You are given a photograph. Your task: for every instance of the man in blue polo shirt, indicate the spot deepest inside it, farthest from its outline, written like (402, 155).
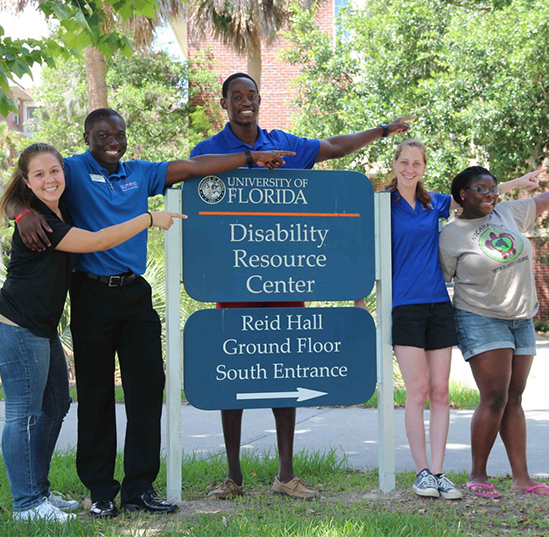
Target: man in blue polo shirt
(241, 100)
(111, 309)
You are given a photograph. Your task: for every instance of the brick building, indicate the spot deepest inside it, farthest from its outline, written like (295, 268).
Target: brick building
(276, 75)
(26, 107)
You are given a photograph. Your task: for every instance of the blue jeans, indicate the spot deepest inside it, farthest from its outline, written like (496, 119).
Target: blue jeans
(35, 381)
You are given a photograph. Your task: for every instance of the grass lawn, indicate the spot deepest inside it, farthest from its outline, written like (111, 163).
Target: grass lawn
(350, 505)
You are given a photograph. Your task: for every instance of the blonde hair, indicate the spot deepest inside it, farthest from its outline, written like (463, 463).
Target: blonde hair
(16, 189)
(421, 194)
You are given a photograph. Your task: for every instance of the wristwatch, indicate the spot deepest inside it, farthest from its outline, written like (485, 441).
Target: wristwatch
(249, 159)
(385, 128)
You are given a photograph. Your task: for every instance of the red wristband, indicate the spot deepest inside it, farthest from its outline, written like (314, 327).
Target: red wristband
(21, 214)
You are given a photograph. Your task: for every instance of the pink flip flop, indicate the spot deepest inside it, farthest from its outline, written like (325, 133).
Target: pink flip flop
(535, 487)
(494, 495)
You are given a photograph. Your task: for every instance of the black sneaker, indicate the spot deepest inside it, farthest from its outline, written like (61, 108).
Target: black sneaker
(426, 484)
(447, 489)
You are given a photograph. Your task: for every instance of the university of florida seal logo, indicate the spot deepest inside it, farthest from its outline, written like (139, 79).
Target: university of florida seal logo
(211, 189)
(501, 245)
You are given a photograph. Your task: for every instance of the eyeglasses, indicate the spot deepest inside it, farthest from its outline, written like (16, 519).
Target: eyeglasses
(483, 190)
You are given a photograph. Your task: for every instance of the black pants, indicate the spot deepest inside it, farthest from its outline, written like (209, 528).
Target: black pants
(105, 321)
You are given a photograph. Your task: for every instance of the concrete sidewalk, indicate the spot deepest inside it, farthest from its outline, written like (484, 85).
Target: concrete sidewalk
(352, 432)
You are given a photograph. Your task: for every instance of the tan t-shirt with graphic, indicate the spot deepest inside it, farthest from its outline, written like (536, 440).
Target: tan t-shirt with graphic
(490, 261)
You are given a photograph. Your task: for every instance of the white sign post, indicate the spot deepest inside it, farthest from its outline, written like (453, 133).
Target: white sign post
(385, 402)
(174, 351)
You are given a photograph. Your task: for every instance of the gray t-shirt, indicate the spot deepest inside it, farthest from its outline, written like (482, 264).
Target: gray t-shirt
(490, 261)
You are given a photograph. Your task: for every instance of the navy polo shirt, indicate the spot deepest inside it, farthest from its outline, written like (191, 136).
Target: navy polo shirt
(417, 276)
(96, 200)
(225, 142)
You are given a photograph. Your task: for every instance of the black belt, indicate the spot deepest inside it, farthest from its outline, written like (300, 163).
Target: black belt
(112, 281)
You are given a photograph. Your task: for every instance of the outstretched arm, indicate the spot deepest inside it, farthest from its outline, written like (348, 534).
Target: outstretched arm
(180, 170)
(346, 144)
(80, 241)
(528, 181)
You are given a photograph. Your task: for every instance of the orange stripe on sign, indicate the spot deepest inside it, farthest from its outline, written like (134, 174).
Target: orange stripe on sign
(220, 213)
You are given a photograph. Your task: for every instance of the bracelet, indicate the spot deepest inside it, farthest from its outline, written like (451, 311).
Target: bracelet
(150, 214)
(249, 158)
(21, 214)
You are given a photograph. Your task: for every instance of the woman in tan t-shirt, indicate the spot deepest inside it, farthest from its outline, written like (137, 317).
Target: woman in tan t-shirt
(487, 254)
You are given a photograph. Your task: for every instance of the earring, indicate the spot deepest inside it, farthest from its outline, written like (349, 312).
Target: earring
(462, 198)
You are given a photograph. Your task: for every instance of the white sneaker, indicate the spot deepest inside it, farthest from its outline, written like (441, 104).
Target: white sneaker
(65, 505)
(44, 511)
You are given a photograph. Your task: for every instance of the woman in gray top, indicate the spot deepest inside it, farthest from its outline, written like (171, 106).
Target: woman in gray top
(489, 258)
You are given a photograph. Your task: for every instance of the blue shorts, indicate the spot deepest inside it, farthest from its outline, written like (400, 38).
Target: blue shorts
(477, 334)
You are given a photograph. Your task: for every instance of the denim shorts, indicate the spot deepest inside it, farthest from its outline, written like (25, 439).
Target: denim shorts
(478, 334)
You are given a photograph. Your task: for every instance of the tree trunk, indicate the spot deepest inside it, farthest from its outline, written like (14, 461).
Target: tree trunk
(96, 75)
(254, 61)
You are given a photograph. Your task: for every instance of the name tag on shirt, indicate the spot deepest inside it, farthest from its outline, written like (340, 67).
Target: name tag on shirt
(97, 178)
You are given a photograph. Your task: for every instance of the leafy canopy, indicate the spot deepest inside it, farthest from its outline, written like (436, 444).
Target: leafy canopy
(475, 73)
(82, 23)
(154, 93)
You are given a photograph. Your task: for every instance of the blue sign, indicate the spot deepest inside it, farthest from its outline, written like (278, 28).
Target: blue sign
(285, 235)
(279, 357)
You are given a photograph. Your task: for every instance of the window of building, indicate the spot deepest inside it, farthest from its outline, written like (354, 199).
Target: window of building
(338, 4)
(16, 118)
(30, 122)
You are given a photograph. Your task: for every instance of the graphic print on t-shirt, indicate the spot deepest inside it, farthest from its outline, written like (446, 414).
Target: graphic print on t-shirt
(501, 244)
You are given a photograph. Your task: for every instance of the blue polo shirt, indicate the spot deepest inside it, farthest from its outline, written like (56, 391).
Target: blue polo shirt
(96, 199)
(225, 142)
(417, 276)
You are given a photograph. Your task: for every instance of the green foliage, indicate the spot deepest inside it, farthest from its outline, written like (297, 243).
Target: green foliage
(82, 23)
(475, 73)
(541, 326)
(154, 93)
(18, 56)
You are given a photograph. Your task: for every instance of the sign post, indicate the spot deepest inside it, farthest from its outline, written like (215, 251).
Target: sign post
(384, 297)
(174, 356)
(304, 235)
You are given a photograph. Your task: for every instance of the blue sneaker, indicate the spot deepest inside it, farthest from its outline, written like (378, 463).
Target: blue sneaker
(426, 484)
(447, 489)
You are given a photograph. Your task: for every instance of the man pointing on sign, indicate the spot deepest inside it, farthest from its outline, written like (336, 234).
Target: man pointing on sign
(241, 100)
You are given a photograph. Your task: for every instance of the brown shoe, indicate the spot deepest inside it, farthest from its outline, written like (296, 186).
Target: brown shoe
(295, 488)
(227, 490)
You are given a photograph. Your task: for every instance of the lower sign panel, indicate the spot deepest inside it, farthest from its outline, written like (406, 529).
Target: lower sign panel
(279, 357)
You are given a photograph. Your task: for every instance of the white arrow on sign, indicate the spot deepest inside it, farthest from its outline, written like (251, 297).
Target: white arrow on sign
(302, 394)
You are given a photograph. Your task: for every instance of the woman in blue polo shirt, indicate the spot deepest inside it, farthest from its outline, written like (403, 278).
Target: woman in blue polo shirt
(423, 322)
(32, 363)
